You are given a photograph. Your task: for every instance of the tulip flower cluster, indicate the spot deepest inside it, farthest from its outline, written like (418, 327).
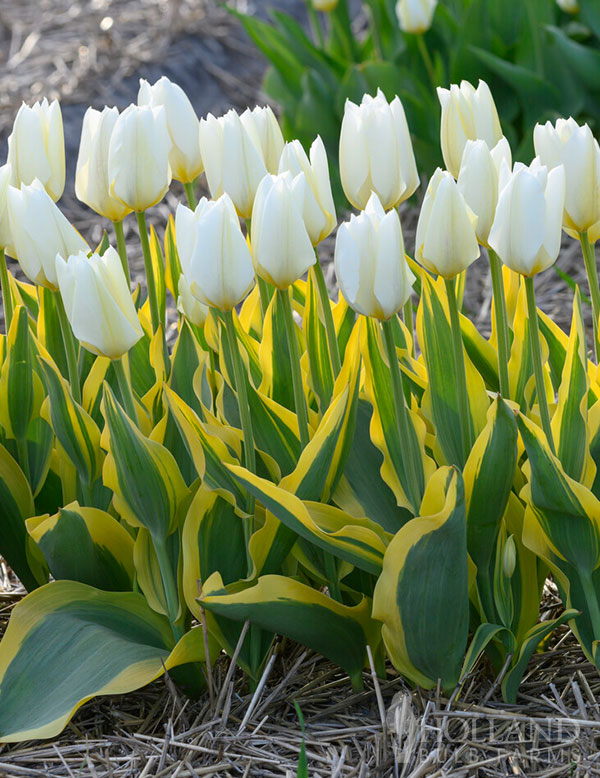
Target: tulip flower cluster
(364, 482)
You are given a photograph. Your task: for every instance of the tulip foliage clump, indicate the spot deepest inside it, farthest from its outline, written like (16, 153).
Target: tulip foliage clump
(371, 477)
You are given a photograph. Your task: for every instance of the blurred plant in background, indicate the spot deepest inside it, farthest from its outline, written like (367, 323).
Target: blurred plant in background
(541, 59)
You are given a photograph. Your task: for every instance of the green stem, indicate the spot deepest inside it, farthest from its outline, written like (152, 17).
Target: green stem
(589, 258)
(169, 585)
(150, 280)
(315, 27)
(407, 315)
(70, 350)
(122, 249)
(23, 454)
(536, 356)
(426, 61)
(461, 375)
(334, 351)
(299, 397)
(501, 322)
(415, 485)
(591, 599)
(534, 24)
(6, 293)
(241, 387)
(189, 193)
(87, 493)
(125, 388)
(332, 576)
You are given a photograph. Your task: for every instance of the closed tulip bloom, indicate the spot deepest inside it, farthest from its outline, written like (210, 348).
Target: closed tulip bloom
(261, 124)
(446, 242)
(467, 114)
(213, 252)
(376, 152)
(98, 303)
(316, 173)
(36, 147)
(5, 175)
(370, 266)
(527, 227)
(183, 125)
(91, 177)
(577, 150)
(415, 16)
(188, 306)
(138, 157)
(233, 160)
(478, 181)
(570, 6)
(324, 5)
(39, 231)
(281, 247)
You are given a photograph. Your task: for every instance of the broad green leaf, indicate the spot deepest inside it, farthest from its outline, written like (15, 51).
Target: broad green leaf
(320, 372)
(68, 642)
(584, 60)
(274, 357)
(422, 594)
(148, 570)
(148, 487)
(359, 541)
(570, 428)
(338, 632)
(158, 270)
(48, 330)
(76, 431)
(488, 477)
(17, 391)
(275, 429)
(16, 505)
(385, 429)
(173, 266)
(440, 400)
(86, 545)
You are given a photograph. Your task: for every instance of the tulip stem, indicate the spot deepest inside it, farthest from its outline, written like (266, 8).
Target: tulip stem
(240, 378)
(294, 353)
(6, 293)
(150, 280)
(589, 258)
(415, 485)
(426, 60)
(169, 585)
(536, 356)
(334, 351)
(70, 350)
(501, 322)
(461, 375)
(407, 315)
(315, 27)
(122, 249)
(125, 389)
(189, 193)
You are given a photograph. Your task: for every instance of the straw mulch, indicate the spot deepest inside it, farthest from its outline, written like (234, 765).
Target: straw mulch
(93, 52)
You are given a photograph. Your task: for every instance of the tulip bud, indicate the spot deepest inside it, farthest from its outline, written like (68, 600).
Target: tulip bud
(478, 181)
(39, 231)
(467, 114)
(189, 306)
(91, 177)
(262, 126)
(233, 160)
(138, 157)
(509, 557)
(370, 266)
(183, 125)
(527, 226)
(376, 152)
(324, 5)
(98, 303)
(445, 243)
(5, 174)
(415, 16)
(316, 173)
(36, 147)
(569, 6)
(577, 150)
(281, 246)
(213, 252)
